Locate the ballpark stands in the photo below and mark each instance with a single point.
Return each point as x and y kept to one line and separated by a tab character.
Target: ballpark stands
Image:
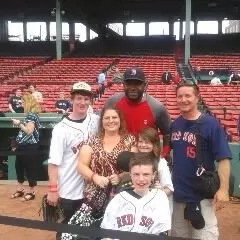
51	77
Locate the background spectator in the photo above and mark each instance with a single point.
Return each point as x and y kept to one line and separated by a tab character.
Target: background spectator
235	77
176	78
215	81
117	76
167	77
15	103
32	89
101	80
27	143
62	105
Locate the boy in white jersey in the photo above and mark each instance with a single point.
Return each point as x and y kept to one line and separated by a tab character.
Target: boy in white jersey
65	183
142	209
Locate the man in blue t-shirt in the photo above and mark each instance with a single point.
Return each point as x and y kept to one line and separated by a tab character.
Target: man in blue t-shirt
62	105
194	216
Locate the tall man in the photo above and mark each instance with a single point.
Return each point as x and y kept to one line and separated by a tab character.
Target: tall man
194	216
140	109
67	137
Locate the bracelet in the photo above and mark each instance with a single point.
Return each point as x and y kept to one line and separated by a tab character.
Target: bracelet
53	190
92	176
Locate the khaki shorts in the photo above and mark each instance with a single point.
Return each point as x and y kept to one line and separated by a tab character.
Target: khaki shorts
183	228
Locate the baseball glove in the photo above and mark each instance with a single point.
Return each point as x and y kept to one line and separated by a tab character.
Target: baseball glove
50	213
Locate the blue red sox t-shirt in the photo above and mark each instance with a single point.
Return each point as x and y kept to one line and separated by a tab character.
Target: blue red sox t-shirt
214	146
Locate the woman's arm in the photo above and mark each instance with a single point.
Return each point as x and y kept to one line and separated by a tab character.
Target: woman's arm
28	128
84	161
165	177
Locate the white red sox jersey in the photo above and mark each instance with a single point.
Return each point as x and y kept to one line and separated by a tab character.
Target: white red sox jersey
67	138
148	214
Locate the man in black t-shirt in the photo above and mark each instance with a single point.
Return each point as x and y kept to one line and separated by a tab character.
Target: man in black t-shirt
62	105
15	103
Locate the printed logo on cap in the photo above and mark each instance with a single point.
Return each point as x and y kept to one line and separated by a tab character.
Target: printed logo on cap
134	72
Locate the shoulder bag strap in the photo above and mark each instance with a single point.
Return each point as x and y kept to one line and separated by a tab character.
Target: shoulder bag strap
199	156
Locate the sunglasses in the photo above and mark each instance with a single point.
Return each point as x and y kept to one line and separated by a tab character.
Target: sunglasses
188	83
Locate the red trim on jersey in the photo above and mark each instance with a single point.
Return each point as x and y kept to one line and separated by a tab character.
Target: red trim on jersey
137	115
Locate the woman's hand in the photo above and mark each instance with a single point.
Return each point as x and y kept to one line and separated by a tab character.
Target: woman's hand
101	181
114	179
16	122
157	185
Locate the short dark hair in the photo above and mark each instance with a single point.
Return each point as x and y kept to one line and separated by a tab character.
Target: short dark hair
188	83
30	84
16	89
144	159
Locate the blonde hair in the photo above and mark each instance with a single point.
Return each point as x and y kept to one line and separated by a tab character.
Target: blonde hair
30	104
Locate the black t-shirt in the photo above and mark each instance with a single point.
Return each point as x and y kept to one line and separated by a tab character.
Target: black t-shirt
235	77
16	103
63	104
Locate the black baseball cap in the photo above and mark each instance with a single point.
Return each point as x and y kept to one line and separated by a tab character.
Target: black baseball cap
134	73
192	212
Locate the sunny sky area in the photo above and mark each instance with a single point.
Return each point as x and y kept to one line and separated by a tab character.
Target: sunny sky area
36	29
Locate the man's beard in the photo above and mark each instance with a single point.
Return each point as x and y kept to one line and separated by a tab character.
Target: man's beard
135	96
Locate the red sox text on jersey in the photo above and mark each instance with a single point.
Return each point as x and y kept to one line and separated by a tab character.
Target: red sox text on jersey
128	219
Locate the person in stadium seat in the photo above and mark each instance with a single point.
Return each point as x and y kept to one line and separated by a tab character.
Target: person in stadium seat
101	81
32	89
197	71
140	110
117	76
167	77
215	81
62	105
193	214
15	103
65	183
176	78
235	77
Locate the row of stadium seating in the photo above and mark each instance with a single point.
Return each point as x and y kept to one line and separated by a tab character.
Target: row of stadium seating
216	62
10	65
70	70
87	68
